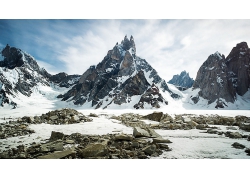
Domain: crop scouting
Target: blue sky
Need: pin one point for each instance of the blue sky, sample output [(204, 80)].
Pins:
[(170, 46)]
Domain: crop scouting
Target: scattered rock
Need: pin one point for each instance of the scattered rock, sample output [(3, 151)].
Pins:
[(248, 151), (149, 149), (156, 116), (235, 135), (59, 155), (56, 135), (161, 140), (94, 150), (123, 137), (139, 132), (238, 145)]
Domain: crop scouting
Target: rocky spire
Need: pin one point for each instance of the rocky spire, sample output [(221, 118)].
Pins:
[(238, 62), (127, 44)]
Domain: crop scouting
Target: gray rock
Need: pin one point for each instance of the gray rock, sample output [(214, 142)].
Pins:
[(123, 137), (52, 146), (161, 140), (53, 117), (94, 150), (149, 149), (156, 116), (69, 141), (59, 155), (153, 133), (235, 135), (56, 135), (139, 132), (238, 145)]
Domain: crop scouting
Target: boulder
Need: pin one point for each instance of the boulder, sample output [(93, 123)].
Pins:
[(123, 137), (94, 150), (247, 151), (53, 117), (156, 116), (93, 115), (235, 135), (149, 149), (153, 133), (52, 146), (238, 145), (56, 135), (58, 155), (139, 132)]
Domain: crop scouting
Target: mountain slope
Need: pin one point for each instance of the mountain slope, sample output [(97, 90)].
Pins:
[(117, 79)]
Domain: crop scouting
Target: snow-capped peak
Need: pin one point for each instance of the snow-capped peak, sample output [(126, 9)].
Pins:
[(218, 54)]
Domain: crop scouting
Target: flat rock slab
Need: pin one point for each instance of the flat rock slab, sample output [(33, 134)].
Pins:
[(161, 140), (59, 155), (139, 132), (94, 150), (123, 137)]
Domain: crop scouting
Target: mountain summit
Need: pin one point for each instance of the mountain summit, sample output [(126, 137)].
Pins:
[(120, 79), (182, 81)]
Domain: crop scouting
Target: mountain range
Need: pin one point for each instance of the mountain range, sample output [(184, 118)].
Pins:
[(124, 80)]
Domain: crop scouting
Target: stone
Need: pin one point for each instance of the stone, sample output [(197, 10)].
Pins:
[(56, 135), (93, 115), (59, 155), (156, 116), (212, 131), (69, 141), (123, 137), (94, 150), (248, 138), (238, 145), (52, 146), (201, 126), (139, 132), (153, 133), (149, 149), (235, 135), (161, 140), (231, 128), (53, 117), (248, 151), (192, 124)]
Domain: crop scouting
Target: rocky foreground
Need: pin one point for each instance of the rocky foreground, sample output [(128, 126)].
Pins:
[(143, 143)]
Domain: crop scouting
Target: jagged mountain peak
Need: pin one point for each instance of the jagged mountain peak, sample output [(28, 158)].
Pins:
[(182, 81), (120, 76)]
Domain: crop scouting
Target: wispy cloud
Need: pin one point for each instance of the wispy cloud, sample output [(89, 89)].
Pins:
[(170, 46)]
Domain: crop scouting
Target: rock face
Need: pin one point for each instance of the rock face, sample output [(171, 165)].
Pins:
[(219, 79), (20, 73), (119, 77), (182, 81)]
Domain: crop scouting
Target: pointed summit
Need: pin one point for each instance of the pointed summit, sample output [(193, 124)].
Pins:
[(127, 44)]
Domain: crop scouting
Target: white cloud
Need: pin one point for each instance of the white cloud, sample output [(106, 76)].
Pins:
[(170, 46)]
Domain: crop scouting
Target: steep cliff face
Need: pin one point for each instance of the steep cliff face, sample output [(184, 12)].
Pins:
[(238, 63), (118, 77), (220, 79), (182, 81)]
